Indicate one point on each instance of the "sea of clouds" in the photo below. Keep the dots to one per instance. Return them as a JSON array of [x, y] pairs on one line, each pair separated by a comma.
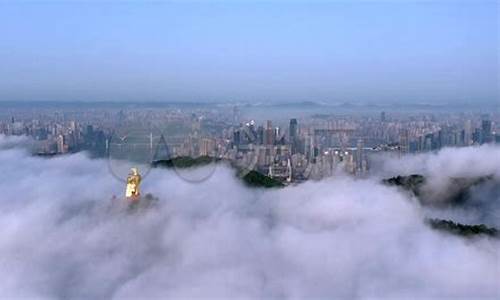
[[339, 238]]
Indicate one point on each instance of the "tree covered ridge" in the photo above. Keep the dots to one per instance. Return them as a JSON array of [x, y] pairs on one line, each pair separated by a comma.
[[459, 191], [251, 178], [462, 229]]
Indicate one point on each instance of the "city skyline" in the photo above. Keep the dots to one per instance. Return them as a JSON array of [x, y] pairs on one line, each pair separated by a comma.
[[289, 149]]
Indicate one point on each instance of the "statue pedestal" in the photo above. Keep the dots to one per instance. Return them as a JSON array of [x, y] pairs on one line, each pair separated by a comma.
[[141, 202]]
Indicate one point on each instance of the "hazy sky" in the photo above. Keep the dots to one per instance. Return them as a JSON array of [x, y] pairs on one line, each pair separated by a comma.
[[332, 51]]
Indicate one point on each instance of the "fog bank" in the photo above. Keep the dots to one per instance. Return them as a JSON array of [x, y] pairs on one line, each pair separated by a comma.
[[336, 238]]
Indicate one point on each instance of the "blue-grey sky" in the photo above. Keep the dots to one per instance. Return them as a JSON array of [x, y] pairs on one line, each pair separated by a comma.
[[331, 51]]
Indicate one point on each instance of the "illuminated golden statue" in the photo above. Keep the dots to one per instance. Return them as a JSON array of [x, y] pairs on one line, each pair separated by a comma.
[[133, 185]]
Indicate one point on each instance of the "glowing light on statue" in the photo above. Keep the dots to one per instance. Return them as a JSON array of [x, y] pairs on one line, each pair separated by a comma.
[[132, 191]]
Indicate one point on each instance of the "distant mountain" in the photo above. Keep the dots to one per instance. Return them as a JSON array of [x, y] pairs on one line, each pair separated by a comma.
[[412, 183], [184, 162], [300, 104], [252, 178], [457, 193], [457, 190], [257, 179], [461, 229]]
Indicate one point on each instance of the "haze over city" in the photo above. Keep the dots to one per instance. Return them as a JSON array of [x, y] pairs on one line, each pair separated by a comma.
[[250, 150], [327, 51]]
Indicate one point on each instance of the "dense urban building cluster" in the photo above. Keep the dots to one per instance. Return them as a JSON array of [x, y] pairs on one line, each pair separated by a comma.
[[288, 149]]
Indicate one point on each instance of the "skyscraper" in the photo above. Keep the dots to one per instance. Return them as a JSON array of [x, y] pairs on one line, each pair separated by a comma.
[[293, 134], [60, 144], [237, 137], [293, 129], [360, 157], [467, 133], [382, 116], [486, 136], [404, 142], [269, 139], [260, 135]]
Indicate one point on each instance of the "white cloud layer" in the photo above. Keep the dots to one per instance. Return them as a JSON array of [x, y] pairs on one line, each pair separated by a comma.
[[337, 238]]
